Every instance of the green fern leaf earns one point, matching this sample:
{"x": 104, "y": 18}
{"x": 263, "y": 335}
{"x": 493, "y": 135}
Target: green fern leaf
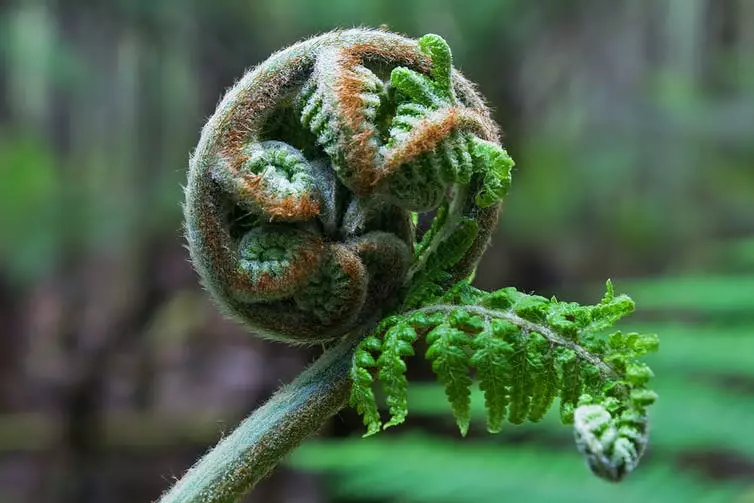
{"x": 362, "y": 395}
{"x": 463, "y": 294}
{"x": 526, "y": 350}
{"x": 426, "y": 290}
{"x": 433, "y": 281}
{"x": 610, "y": 309}
{"x": 453, "y": 245}
{"x": 442, "y": 62}
{"x": 544, "y": 376}
{"x": 437, "y": 223}
{"x": 447, "y": 351}
{"x": 491, "y": 359}
{"x": 496, "y": 165}
{"x": 396, "y": 346}
{"x": 611, "y": 445}
{"x": 570, "y": 384}
{"x": 521, "y": 381}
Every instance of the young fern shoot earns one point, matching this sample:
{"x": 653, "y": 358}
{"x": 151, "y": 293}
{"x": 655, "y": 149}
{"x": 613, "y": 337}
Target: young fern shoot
{"x": 301, "y": 210}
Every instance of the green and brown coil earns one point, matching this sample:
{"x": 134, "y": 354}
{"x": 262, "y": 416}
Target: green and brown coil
{"x": 302, "y": 192}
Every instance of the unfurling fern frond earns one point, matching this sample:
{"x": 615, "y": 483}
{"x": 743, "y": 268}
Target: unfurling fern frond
{"x": 612, "y": 442}
{"x": 427, "y": 114}
{"x": 301, "y": 218}
{"x": 525, "y": 350}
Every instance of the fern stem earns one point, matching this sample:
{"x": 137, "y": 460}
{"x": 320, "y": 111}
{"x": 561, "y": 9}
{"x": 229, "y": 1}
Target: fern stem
{"x": 606, "y": 371}
{"x": 240, "y": 460}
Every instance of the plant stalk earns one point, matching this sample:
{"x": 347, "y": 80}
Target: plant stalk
{"x": 234, "y": 466}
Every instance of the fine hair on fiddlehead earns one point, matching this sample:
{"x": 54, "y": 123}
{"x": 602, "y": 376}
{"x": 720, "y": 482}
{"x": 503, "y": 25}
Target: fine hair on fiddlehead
{"x": 300, "y": 196}
{"x": 301, "y": 214}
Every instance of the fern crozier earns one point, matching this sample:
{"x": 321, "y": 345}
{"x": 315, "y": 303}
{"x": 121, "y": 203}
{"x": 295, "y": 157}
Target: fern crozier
{"x": 301, "y": 210}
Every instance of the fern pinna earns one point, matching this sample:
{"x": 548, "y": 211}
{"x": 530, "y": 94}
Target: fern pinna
{"x": 301, "y": 212}
{"x": 526, "y": 351}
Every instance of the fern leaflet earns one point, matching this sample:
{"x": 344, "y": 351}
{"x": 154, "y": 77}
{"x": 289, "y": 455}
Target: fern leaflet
{"x": 524, "y": 350}
{"x": 396, "y": 346}
{"x": 447, "y": 351}
{"x": 491, "y": 358}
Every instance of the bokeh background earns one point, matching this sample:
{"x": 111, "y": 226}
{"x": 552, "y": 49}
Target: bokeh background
{"x": 632, "y": 124}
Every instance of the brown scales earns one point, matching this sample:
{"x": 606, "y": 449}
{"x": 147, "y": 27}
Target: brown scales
{"x": 349, "y": 263}
{"x": 301, "y": 207}
{"x": 430, "y": 132}
{"x": 216, "y": 248}
{"x": 243, "y": 118}
{"x": 361, "y": 150}
{"x": 303, "y": 263}
{"x": 425, "y": 137}
{"x": 362, "y": 147}
{"x": 398, "y": 54}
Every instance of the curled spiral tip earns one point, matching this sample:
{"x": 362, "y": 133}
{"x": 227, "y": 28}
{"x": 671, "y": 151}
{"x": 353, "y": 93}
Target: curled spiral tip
{"x": 612, "y": 446}
{"x": 301, "y": 192}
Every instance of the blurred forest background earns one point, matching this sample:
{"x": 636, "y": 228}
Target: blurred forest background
{"x": 632, "y": 124}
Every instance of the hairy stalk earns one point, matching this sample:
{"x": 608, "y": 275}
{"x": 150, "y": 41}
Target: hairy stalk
{"x": 247, "y": 455}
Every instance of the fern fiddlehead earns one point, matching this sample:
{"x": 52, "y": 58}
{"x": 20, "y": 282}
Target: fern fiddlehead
{"x": 300, "y": 215}
{"x": 303, "y": 182}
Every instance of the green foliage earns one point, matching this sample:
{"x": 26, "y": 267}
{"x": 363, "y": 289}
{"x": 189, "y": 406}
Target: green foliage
{"x": 397, "y": 344}
{"x": 362, "y": 395}
{"x": 699, "y": 453}
{"x": 497, "y": 171}
{"x": 524, "y": 349}
{"x": 426, "y": 100}
{"x": 440, "y": 249}
{"x": 448, "y": 352}
{"x": 491, "y": 358}
{"x": 434, "y": 470}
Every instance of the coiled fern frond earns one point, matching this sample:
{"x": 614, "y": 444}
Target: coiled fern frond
{"x": 300, "y": 193}
{"x": 301, "y": 208}
{"x": 525, "y": 351}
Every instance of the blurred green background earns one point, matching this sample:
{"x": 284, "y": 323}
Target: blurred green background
{"x": 632, "y": 124}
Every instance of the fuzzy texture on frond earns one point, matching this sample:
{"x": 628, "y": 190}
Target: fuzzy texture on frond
{"x": 301, "y": 210}
{"x": 525, "y": 350}
{"x": 301, "y": 191}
